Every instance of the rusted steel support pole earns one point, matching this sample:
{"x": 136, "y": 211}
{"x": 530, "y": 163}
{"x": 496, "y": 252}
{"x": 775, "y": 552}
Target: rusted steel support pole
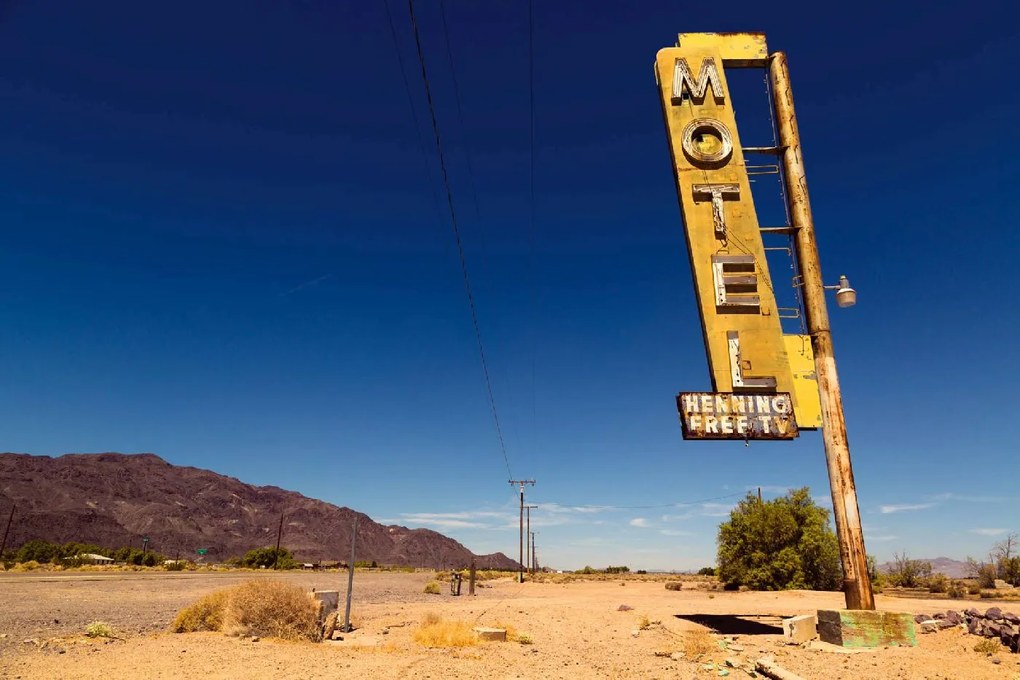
{"x": 856, "y": 584}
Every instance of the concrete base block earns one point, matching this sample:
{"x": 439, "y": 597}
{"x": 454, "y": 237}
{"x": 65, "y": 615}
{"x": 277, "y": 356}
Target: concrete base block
{"x": 800, "y": 629}
{"x": 494, "y": 634}
{"x": 859, "y": 628}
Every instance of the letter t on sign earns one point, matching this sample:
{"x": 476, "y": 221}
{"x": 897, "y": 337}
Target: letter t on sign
{"x": 717, "y": 192}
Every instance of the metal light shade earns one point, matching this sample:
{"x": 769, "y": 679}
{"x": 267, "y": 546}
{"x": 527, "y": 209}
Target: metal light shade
{"x": 845, "y": 295}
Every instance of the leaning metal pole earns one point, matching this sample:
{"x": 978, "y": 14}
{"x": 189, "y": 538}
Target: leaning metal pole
{"x": 856, "y": 584}
{"x": 350, "y": 577}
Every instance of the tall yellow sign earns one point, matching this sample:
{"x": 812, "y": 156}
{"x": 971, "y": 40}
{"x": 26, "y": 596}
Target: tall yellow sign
{"x": 740, "y": 320}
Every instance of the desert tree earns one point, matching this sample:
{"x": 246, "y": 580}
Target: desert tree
{"x": 782, "y": 543}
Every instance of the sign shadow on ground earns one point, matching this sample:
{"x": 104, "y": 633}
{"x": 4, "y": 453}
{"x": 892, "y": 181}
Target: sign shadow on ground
{"x": 737, "y": 624}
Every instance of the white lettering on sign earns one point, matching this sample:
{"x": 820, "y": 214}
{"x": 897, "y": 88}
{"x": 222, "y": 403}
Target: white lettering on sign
{"x": 685, "y": 87}
{"x": 736, "y": 283}
{"x": 746, "y": 382}
{"x": 707, "y": 143}
{"x": 717, "y": 193}
{"x": 723, "y": 415}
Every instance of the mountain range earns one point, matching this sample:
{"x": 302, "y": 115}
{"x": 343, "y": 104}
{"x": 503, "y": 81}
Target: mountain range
{"x": 114, "y": 499}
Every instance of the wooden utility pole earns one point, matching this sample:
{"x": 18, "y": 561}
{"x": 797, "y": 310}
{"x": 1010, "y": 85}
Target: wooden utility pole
{"x": 856, "y": 585}
{"x": 279, "y": 535}
{"x": 534, "y": 561}
{"x": 3, "y": 543}
{"x": 522, "y": 483}
{"x": 527, "y": 541}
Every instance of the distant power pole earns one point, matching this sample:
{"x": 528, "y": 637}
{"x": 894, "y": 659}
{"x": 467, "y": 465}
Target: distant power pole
{"x": 279, "y": 535}
{"x": 534, "y": 560}
{"x": 527, "y": 541}
{"x": 522, "y": 483}
{"x": 10, "y": 518}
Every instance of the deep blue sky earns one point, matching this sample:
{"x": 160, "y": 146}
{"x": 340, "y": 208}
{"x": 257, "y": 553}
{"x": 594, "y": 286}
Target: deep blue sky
{"x": 221, "y": 243}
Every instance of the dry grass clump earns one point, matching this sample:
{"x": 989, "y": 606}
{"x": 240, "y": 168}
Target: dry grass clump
{"x": 988, "y": 647}
{"x": 674, "y": 585}
{"x": 206, "y": 614}
{"x": 698, "y": 643}
{"x": 432, "y": 588}
{"x": 260, "y": 607}
{"x": 98, "y": 629}
{"x": 435, "y": 632}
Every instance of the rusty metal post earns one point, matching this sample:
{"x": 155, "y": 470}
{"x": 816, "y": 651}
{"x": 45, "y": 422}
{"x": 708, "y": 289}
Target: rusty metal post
{"x": 471, "y": 577}
{"x": 856, "y": 584}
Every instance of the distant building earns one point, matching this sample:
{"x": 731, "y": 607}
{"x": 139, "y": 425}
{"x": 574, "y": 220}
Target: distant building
{"x": 93, "y": 558}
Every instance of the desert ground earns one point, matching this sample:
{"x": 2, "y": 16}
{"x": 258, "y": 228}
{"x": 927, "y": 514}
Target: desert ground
{"x": 577, "y": 629}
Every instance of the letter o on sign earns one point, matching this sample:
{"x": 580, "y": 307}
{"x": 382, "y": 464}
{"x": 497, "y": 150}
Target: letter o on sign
{"x": 707, "y": 126}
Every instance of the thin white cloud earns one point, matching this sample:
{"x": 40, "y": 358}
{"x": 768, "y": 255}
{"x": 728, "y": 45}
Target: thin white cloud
{"x": 675, "y": 532}
{"x": 677, "y": 518}
{"x": 578, "y": 509}
{"x": 438, "y": 522}
{"x": 716, "y": 509}
{"x": 950, "y": 496}
{"x": 988, "y": 532}
{"x": 771, "y": 488}
{"x": 881, "y": 537}
{"x": 639, "y": 522}
{"x": 472, "y": 519}
{"x": 904, "y": 507}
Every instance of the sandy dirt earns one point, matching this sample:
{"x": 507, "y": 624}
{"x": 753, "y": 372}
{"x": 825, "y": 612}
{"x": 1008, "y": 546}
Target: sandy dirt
{"x": 577, "y": 628}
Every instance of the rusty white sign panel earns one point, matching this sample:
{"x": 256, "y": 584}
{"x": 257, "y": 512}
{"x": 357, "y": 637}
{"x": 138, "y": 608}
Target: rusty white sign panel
{"x": 724, "y": 415}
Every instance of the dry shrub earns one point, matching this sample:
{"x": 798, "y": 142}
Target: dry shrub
{"x": 988, "y": 647}
{"x": 674, "y": 585}
{"x": 435, "y": 632}
{"x": 698, "y": 643}
{"x": 206, "y": 614}
{"x": 260, "y": 607}
{"x": 432, "y": 588}
{"x": 271, "y": 609}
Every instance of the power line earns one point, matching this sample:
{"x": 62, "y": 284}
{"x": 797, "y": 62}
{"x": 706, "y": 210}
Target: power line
{"x": 410, "y": 104}
{"x": 531, "y": 216}
{"x": 457, "y": 238}
{"x": 659, "y": 505}
{"x": 460, "y": 110}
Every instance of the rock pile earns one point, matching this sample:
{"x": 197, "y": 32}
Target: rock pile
{"x": 994, "y": 624}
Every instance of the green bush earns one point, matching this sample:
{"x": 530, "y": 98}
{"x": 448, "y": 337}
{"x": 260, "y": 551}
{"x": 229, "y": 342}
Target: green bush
{"x": 98, "y": 629}
{"x": 706, "y": 571}
{"x": 908, "y": 573}
{"x": 267, "y": 557}
{"x": 938, "y": 583}
{"x": 38, "y": 551}
{"x": 782, "y": 543}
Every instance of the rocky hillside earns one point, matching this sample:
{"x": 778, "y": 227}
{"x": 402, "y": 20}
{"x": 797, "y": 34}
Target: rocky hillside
{"x": 114, "y": 499}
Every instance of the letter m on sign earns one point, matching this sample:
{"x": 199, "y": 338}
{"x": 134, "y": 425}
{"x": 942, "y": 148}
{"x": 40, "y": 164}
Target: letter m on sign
{"x": 685, "y": 87}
